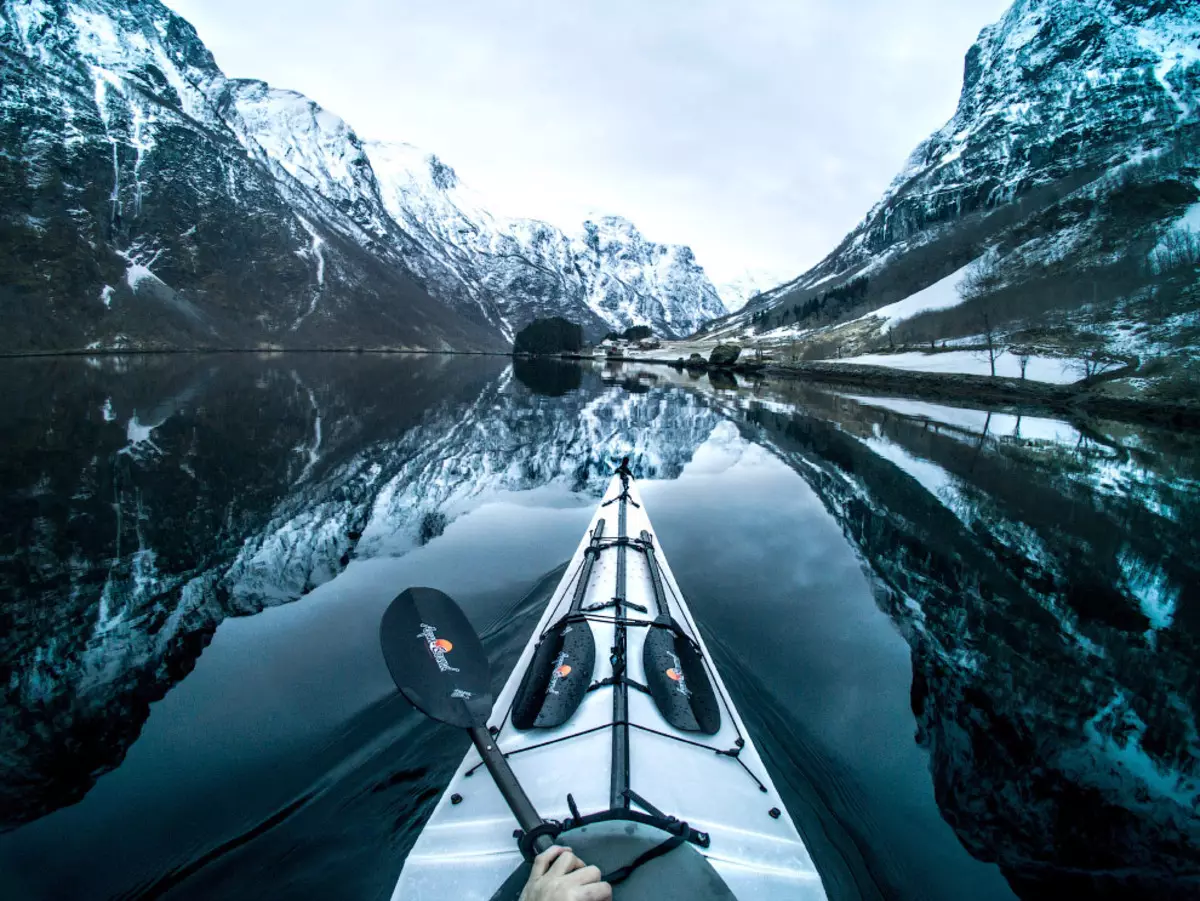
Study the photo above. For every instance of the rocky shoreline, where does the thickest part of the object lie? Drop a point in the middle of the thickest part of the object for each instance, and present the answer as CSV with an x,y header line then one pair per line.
x,y
1080,398
1086,399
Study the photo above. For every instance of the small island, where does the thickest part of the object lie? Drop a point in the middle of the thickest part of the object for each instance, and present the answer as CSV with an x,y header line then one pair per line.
x,y
554,335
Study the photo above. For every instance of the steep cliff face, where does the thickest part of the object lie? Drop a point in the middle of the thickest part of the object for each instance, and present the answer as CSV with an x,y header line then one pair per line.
x,y
1073,154
606,276
132,215
148,201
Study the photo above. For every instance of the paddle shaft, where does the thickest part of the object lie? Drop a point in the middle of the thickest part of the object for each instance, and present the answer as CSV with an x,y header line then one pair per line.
x,y
585,575
506,781
656,582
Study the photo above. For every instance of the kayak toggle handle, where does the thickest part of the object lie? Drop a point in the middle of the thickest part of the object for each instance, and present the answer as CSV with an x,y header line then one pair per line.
x,y
530,842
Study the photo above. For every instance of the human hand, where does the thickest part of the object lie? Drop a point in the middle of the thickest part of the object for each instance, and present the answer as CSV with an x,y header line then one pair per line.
x,y
558,875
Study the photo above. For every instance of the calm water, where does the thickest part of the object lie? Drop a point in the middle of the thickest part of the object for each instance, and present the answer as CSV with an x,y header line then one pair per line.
x,y
966,643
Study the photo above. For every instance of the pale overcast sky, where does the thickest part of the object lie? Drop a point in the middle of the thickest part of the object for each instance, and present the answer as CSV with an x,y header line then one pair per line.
x,y
757,131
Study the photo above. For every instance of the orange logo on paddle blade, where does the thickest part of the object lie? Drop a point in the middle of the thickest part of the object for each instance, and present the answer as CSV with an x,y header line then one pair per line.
x,y
674,674
444,645
563,671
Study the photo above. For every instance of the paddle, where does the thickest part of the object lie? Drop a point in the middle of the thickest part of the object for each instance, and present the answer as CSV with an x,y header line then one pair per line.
x,y
438,663
558,676
674,669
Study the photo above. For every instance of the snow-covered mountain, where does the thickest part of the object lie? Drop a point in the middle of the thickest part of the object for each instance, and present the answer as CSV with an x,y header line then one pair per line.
x,y
1073,154
607,275
151,201
738,291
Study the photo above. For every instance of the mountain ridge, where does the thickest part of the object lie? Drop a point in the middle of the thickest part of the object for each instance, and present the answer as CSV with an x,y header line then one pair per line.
x,y
1067,180
245,215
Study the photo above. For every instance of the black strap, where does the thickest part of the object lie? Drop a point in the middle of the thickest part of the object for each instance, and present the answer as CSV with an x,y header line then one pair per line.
x,y
601,605
622,873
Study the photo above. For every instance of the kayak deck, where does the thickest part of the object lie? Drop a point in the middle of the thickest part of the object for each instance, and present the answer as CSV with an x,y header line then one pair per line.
x,y
716,783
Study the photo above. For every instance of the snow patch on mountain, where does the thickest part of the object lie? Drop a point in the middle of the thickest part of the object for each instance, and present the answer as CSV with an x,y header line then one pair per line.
x,y
1065,93
395,227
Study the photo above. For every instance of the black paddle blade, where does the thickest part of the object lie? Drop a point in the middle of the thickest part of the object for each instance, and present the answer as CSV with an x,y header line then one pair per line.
x,y
436,659
677,680
558,677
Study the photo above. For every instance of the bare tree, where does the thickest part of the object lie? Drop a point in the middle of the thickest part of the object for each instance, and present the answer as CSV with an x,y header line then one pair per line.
x,y
1092,365
1178,249
994,350
981,279
1023,353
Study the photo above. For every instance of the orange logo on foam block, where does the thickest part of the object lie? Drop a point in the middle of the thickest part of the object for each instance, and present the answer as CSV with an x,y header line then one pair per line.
x,y
444,645
674,674
563,671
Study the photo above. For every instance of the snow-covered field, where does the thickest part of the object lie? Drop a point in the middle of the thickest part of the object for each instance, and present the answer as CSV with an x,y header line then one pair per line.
x,y
938,296
1056,370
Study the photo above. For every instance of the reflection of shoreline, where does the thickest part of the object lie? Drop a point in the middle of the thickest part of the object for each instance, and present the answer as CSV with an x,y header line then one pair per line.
x,y
152,474
1043,679
1026,396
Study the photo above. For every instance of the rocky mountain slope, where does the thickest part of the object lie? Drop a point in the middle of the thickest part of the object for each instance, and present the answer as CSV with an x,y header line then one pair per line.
x,y
149,201
1067,180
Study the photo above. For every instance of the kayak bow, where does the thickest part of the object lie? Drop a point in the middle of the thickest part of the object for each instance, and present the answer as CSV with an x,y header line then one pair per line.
x,y
635,755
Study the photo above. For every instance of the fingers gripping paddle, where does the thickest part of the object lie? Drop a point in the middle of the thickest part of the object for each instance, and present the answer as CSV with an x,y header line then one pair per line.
x,y
560,672
438,663
674,669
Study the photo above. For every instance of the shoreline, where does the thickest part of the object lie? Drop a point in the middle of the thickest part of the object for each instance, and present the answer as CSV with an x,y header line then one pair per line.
x,y
1070,399
173,351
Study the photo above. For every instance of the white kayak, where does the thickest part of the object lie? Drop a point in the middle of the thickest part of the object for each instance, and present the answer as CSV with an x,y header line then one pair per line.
x,y
637,769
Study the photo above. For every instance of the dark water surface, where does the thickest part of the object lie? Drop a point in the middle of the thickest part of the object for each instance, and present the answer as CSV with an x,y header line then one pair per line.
x,y
966,644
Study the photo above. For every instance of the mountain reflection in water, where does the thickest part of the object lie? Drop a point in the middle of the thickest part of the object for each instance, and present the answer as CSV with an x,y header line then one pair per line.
x,y
966,642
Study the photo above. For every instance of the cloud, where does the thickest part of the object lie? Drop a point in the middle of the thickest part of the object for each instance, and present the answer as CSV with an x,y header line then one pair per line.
x,y
758,132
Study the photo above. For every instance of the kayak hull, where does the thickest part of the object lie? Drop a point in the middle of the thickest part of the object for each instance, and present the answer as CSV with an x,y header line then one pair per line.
x,y
717,782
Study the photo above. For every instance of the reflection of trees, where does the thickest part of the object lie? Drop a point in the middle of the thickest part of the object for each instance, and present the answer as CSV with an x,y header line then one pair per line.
x,y
1036,687
546,376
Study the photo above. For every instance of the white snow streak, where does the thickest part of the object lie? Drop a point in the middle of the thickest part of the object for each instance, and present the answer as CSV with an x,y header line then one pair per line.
x,y
312,451
316,251
1056,370
941,295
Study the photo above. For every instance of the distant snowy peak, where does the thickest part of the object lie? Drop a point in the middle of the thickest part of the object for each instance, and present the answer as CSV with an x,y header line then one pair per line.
x,y
502,272
607,274
737,292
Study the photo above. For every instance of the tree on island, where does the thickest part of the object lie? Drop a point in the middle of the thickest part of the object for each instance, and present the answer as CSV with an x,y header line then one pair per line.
x,y
638,333
549,336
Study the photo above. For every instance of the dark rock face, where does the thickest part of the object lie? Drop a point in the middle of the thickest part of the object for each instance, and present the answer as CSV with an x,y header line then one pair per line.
x,y
147,201
133,217
724,354
1063,104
